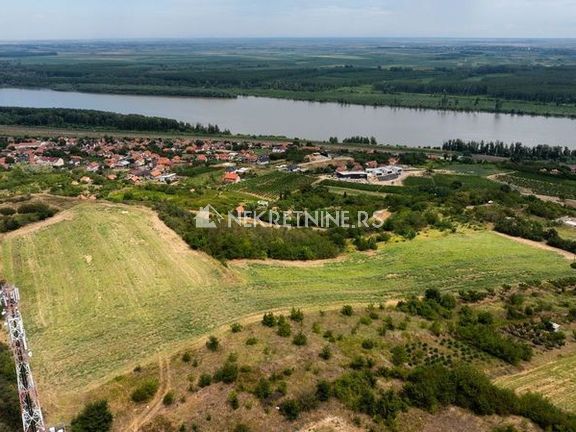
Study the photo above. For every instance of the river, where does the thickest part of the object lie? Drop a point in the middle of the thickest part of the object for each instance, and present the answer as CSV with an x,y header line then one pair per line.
x,y
313,120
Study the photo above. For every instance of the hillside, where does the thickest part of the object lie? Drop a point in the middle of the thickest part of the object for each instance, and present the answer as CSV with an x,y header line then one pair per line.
x,y
107,287
245,382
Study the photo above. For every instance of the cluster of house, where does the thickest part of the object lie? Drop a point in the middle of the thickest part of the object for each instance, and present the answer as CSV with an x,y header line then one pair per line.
x,y
371,171
381,173
142,159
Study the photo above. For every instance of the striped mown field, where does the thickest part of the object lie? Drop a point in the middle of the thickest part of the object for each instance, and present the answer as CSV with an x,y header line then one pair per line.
x,y
556,380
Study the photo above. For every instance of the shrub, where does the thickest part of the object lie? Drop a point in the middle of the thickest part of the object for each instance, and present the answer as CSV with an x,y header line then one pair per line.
x,y
290,409
227,373
368,344
269,320
263,389
326,353
233,400
236,328
205,380
354,390
360,362
316,328
42,210
399,355
300,339
251,341
347,310
212,343
365,320
389,323
284,329
436,328
168,398
95,417
329,335
145,391
241,427
7,211
297,315
186,357
485,318
323,391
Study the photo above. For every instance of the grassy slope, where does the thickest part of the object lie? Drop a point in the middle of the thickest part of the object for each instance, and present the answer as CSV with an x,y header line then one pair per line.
x,y
92,285
449,262
554,379
103,291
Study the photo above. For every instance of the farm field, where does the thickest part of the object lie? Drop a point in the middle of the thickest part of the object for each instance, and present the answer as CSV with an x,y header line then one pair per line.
x,y
273,184
482,170
306,70
350,191
566,232
110,287
554,379
362,187
543,185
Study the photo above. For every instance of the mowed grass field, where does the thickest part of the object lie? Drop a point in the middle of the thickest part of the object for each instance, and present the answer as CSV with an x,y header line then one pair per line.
x,y
107,287
449,262
555,380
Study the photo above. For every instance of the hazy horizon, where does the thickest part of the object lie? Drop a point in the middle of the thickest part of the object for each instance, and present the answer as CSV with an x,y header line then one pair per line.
x,y
272,38
33,20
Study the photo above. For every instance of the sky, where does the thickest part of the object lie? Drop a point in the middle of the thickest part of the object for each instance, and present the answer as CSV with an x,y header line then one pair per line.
x,y
127,19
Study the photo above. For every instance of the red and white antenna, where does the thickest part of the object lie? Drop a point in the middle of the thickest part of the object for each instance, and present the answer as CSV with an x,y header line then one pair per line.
x,y
32,418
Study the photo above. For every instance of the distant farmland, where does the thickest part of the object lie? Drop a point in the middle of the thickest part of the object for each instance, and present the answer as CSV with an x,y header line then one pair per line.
x,y
109,286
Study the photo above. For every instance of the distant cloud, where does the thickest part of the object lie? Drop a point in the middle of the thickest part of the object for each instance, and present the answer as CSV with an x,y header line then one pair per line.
x,y
81,19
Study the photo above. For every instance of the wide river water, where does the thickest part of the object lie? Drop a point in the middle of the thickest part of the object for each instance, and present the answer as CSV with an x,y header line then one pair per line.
x,y
313,120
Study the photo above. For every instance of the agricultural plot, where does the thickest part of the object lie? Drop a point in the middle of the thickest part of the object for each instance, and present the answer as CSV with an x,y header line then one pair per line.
x,y
448,180
555,380
542,185
482,170
566,232
109,287
364,187
272,185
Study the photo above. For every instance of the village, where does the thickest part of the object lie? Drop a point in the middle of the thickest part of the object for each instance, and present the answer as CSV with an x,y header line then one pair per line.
x,y
140,160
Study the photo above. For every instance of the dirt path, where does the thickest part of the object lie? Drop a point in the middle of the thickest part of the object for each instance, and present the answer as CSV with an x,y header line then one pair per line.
x,y
36,226
568,255
330,423
381,215
156,404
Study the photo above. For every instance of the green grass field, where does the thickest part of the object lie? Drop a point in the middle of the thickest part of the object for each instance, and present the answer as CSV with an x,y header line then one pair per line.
x,y
555,380
482,170
444,261
108,287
